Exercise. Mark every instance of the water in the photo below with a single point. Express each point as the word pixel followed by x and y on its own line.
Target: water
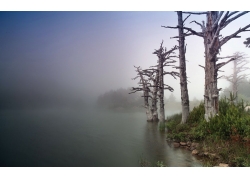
pixel 76 138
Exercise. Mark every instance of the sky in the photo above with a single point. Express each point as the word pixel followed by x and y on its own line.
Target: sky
pixel 71 56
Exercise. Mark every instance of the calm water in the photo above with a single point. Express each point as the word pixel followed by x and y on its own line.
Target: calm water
pixel 84 138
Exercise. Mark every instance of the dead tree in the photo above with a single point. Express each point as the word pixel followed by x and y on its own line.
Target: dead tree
pixel 143 83
pixel 236 77
pixel 247 42
pixel 164 59
pixel 182 67
pixel 213 42
pixel 153 77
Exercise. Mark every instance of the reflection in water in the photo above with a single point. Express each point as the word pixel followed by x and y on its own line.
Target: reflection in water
pixel 74 138
pixel 155 143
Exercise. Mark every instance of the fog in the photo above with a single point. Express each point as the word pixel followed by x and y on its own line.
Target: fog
pixel 54 59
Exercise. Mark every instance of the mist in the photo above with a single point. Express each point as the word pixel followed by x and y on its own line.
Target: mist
pixel 68 59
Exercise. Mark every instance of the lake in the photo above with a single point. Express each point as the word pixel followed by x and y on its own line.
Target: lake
pixel 84 138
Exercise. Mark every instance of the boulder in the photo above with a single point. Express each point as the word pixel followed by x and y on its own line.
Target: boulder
pixel 189 143
pixel 195 152
pixel 223 165
pixel 183 143
pixel 205 153
pixel 176 145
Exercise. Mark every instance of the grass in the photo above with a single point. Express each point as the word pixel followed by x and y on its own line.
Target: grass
pixel 226 135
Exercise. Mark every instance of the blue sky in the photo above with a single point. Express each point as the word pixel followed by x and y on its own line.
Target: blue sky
pixel 94 52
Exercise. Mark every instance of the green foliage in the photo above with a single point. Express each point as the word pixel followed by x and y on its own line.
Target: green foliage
pixel 173 121
pixel 232 121
pixel 197 114
pixel 226 134
pixel 160 164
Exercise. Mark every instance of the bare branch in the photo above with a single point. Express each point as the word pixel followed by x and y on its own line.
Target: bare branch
pixel 227 38
pixel 186 19
pixel 188 29
pixel 197 13
pixel 217 20
pixel 232 19
pixel 202 66
pixel 218 66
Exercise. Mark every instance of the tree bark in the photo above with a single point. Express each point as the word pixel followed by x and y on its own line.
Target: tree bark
pixel 211 100
pixel 183 76
pixel 161 90
pixel 154 96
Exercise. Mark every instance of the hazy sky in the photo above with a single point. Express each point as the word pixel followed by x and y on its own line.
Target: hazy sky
pixel 71 54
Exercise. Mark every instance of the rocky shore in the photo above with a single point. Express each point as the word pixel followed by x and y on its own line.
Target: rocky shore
pixel 196 150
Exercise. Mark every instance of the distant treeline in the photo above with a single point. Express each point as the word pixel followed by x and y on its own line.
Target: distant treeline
pixel 121 100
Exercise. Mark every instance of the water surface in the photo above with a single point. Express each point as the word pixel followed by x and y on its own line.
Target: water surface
pixel 77 138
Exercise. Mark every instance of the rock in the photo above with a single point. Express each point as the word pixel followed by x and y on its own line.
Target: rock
pixel 176 145
pixel 189 143
pixel 183 143
pixel 205 153
pixel 223 165
pixel 191 148
pixel 195 145
pixel 213 155
pixel 195 152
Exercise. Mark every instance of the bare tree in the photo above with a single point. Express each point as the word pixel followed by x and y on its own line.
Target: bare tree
pixel 153 76
pixel 236 77
pixel 247 42
pixel 213 42
pixel 182 67
pixel 164 59
pixel 143 86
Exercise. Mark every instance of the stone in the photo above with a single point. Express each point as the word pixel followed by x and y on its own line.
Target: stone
pixel 195 145
pixel 191 148
pixel 183 143
pixel 176 145
pixel 195 152
pixel 205 153
pixel 213 155
pixel 223 165
pixel 189 143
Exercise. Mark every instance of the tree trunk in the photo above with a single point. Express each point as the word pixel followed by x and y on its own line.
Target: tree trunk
pixel 235 82
pixel 183 76
pixel 154 97
pixel 147 106
pixel 211 100
pixel 161 90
